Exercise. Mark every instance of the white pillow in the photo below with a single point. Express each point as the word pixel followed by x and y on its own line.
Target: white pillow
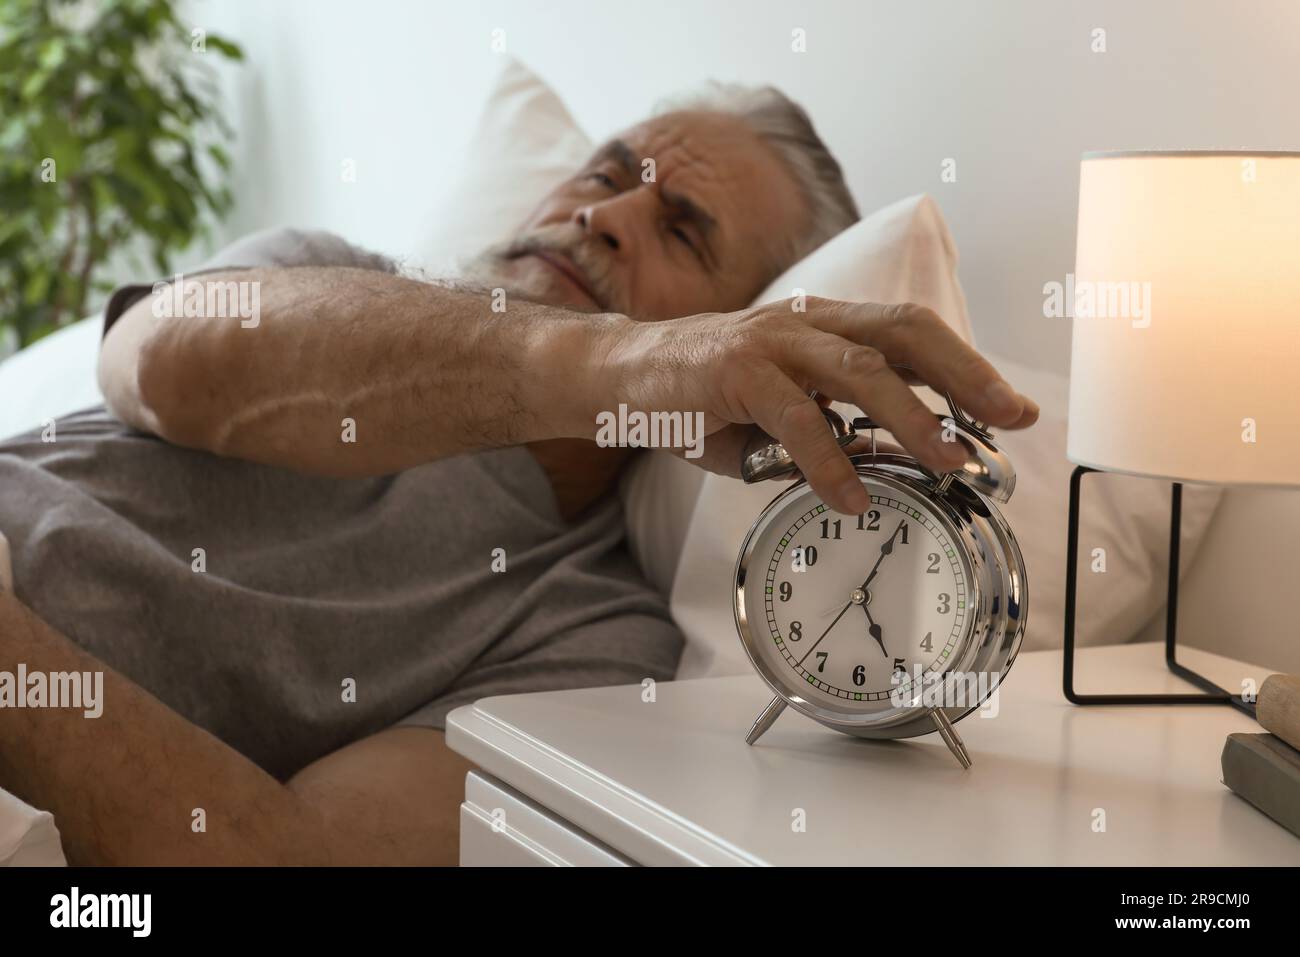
pixel 526 143
pixel 51 378
pixel 902 252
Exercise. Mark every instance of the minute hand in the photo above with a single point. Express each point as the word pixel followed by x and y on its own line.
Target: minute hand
pixel 885 549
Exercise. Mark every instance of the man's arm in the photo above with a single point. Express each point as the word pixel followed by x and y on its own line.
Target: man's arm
pixel 123 787
pixel 422 370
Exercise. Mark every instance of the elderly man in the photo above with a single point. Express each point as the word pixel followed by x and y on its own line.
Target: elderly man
pixel 293 545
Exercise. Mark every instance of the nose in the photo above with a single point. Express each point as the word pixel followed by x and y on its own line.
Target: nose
pixel 605 222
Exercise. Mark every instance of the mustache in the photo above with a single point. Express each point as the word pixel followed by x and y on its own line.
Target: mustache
pixel 572 243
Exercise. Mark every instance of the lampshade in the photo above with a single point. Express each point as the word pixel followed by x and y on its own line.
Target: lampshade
pixel 1185 360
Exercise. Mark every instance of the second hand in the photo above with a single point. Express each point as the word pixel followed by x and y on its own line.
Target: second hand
pixel 824 633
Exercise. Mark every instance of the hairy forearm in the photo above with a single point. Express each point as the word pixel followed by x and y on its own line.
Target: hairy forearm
pixel 124 787
pixel 356 372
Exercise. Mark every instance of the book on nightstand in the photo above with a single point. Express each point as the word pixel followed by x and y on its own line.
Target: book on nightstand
pixel 1265 768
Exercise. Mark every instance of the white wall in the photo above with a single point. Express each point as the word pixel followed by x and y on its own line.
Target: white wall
pixel 1008 88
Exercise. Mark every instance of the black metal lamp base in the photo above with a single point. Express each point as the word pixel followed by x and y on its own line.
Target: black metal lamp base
pixel 1213 694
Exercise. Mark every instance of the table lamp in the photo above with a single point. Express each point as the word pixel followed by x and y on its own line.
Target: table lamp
pixel 1186 342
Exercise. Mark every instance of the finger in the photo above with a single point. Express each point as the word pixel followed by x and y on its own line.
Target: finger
pixel 861 375
pixel 915 336
pixel 785 412
pixel 1028 417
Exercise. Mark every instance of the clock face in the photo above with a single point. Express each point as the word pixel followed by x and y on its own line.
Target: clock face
pixel 847 611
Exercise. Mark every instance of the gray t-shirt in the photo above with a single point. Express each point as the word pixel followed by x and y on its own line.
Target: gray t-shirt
pixel 311 584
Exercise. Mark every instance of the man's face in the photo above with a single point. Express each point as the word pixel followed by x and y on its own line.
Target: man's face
pixel 706 234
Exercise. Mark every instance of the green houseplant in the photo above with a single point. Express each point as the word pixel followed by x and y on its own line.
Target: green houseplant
pixel 110 144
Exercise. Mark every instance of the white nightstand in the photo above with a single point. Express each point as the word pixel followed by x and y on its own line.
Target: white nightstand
pixel 598 776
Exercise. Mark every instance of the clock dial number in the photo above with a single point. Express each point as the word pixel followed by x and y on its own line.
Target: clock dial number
pixel 803 558
pixel 860 675
pixel 796 630
pixel 873 525
pixel 945 603
pixel 933 567
pixel 827 525
pixel 786 591
pixel 821 663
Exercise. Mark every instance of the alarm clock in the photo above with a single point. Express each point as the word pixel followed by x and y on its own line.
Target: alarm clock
pixel 894 623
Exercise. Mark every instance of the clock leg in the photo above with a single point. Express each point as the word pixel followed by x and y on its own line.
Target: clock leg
pixel 950 737
pixel 765 720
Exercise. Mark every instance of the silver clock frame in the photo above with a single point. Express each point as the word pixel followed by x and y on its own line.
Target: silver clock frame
pixel 998 608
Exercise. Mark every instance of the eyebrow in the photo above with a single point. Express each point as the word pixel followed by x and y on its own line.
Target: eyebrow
pixel 619 152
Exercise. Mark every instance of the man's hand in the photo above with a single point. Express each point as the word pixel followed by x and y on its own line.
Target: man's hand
pixel 758 366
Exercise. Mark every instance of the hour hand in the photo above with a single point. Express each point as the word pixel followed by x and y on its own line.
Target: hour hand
pixel 874 631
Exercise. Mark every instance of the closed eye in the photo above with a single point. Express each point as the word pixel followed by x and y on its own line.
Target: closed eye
pixel 681 234
pixel 603 180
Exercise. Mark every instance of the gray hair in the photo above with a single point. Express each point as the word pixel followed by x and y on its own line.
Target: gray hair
pixel 785 126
